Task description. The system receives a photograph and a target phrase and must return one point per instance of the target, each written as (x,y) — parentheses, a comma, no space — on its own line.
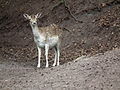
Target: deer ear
(38,15)
(26,16)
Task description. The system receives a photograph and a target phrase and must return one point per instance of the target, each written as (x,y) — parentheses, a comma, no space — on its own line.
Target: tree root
(67,8)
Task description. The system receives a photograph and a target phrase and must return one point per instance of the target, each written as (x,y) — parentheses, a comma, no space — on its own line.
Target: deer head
(32,18)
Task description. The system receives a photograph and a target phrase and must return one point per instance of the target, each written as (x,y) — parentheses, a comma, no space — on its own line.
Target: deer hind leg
(58,54)
(39,56)
(46,54)
(55,49)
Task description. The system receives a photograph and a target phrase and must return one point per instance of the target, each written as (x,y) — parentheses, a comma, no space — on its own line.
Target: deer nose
(34,23)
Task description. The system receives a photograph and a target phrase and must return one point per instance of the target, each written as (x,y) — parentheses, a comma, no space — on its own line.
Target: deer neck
(35,30)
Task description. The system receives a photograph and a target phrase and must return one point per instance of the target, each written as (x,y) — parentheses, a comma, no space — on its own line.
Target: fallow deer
(45,37)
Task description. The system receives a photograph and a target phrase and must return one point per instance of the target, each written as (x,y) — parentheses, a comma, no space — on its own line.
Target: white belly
(41,41)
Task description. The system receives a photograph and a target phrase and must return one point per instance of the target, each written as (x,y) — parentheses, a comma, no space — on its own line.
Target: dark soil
(96,31)
(89,27)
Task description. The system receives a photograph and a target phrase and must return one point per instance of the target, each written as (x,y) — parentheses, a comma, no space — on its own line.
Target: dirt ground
(99,72)
(89,27)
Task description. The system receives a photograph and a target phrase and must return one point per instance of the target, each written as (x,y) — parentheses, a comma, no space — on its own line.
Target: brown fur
(51,30)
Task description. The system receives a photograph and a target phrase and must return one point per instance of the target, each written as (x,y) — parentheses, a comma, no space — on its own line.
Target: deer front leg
(46,54)
(39,56)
